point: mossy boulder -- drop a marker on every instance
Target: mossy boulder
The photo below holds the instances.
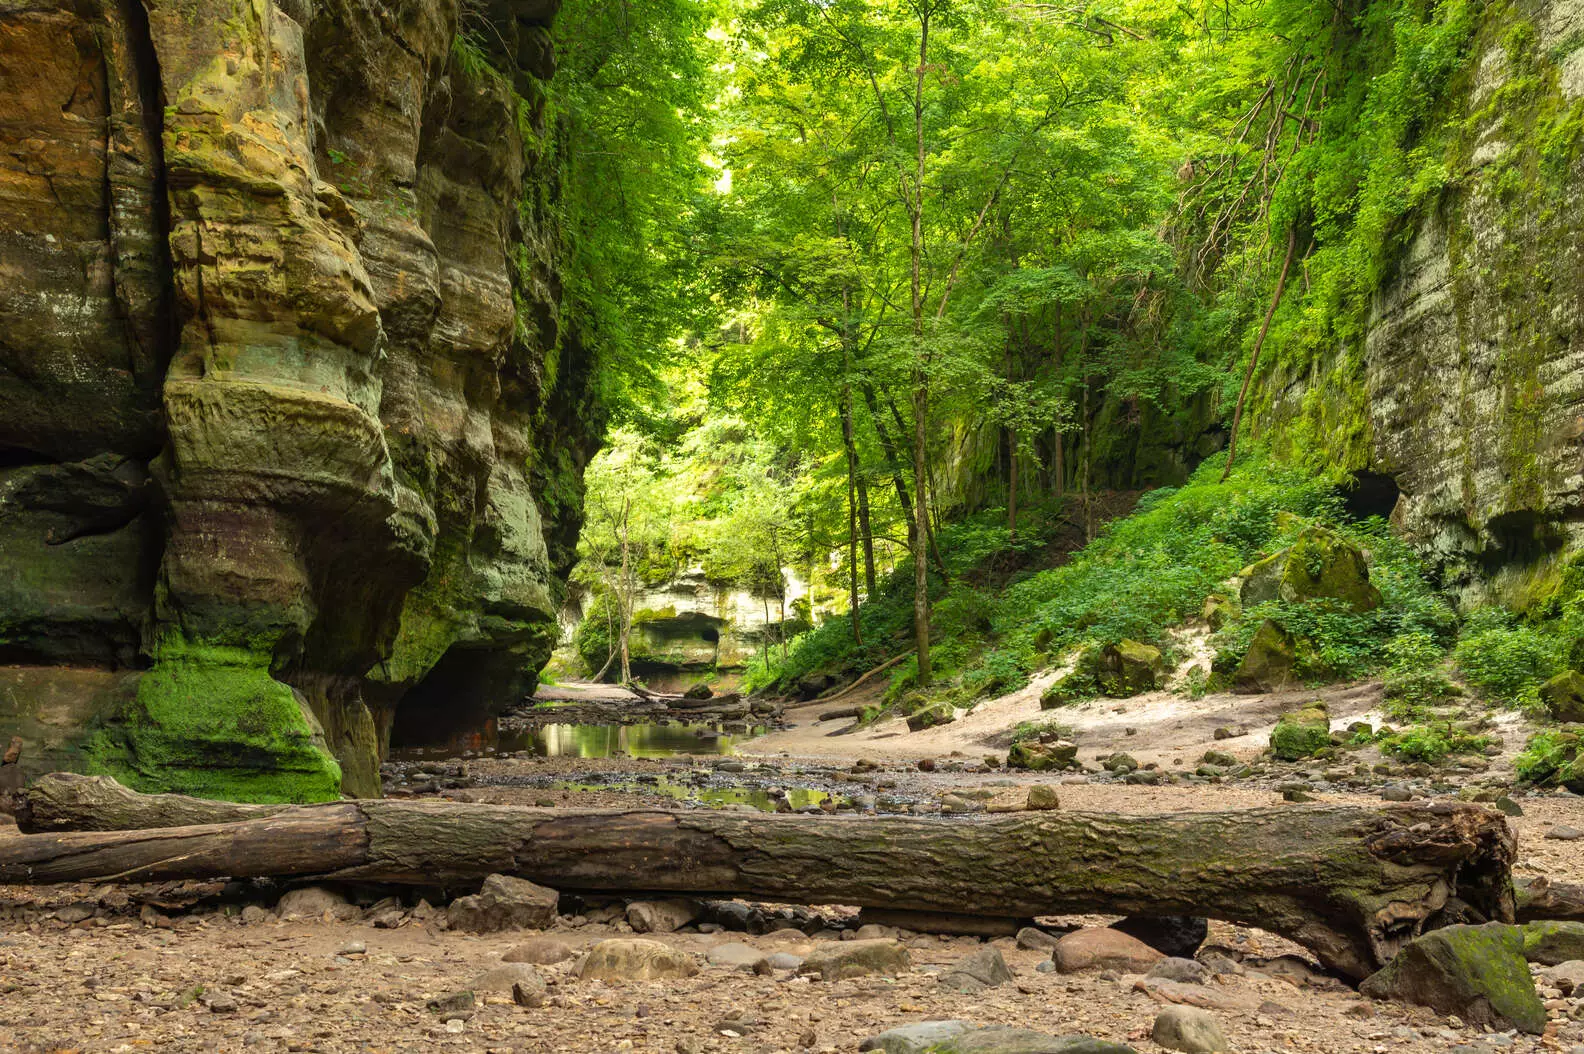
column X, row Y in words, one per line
column 1320, row 564
column 1563, row 696
column 1219, row 611
column 930, row 716
column 1128, row 668
column 1269, row 663
column 1551, row 942
column 1302, row 733
column 1042, row 757
column 1476, row 972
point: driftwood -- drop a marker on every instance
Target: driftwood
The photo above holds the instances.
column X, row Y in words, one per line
column 837, row 693
column 1351, row 884
column 1540, row 898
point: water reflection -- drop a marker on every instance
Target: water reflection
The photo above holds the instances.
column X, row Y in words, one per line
column 764, row 799
column 648, row 740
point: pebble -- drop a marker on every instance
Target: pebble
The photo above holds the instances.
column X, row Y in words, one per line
column 1563, row 833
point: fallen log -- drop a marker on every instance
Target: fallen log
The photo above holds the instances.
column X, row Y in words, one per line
column 834, row 694
column 1351, row 884
column 1540, row 899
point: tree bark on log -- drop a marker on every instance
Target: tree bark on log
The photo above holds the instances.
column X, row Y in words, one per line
column 1540, row 899
column 1351, row 884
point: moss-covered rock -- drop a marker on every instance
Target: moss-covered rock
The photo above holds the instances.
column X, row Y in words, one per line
column 1269, row 663
column 1551, row 942
column 1042, row 757
column 931, row 716
column 1219, row 611
column 1128, row 668
column 1320, row 564
column 211, row 721
column 1301, row 733
column 1476, row 972
column 1563, row 696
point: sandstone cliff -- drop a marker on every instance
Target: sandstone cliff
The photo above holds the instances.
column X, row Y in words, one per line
column 1467, row 393
column 282, row 382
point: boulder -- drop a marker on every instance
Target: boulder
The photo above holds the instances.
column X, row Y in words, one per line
column 1320, row 564
column 915, row 1039
column 1301, row 733
column 662, row 916
column 508, row 975
column 1183, row 971
column 1219, row 611
column 1034, row 756
column 839, row 960
column 1000, row 1039
column 1102, row 948
column 636, row 959
column 983, row 969
column 1129, row 668
column 540, row 951
column 313, row 902
column 1475, row 972
column 1043, row 797
column 1081, row 682
column 504, row 903
column 1563, row 696
column 1189, row 1029
column 930, row 716
column 1568, row 977
column 1172, row 935
column 1268, row 664
column 699, row 691
column 1031, row 939
column 1549, row 943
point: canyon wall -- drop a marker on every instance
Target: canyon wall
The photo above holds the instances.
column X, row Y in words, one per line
column 283, row 383
column 1465, row 401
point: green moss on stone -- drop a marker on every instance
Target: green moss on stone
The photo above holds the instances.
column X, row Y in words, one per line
column 211, row 721
column 1301, row 733
column 1476, row 972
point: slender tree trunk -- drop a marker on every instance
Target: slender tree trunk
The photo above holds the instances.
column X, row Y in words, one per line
column 1012, row 491
column 1259, row 342
column 1061, row 436
column 866, row 534
column 628, row 590
column 893, row 458
column 921, row 606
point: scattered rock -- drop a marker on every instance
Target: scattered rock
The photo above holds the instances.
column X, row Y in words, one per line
column 504, row 903
column 313, row 902
column 1563, row 833
column 1397, row 792
column 983, row 969
column 1189, row 1029
column 930, row 716
column 1186, row 971
column 784, row 961
column 1030, row 939
column 837, row 961
column 540, row 951
column 1042, row 757
column 353, row 948
column 1173, row 935
column 1103, row 948
column 662, row 916
column 1475, row 972
column 1043, row 797
column 636, row 959
column 455, row 1003
column 1567, row 977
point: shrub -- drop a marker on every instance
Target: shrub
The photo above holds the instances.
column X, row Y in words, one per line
column 1552, row 758
column 1430, row 744
column 1507, row 662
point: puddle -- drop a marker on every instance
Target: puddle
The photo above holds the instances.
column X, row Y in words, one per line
column 765, row 799
column 656, row 739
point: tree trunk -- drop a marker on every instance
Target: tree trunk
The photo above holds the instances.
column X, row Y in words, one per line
column 1012, row 492
column 1259, row 342
column 1351, row 884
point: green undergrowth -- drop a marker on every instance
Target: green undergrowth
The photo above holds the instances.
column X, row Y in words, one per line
column 210, row 721
column 1144, row 574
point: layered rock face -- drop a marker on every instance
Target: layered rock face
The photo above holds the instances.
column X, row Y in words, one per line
column 1468, row 394
column 281, row 383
